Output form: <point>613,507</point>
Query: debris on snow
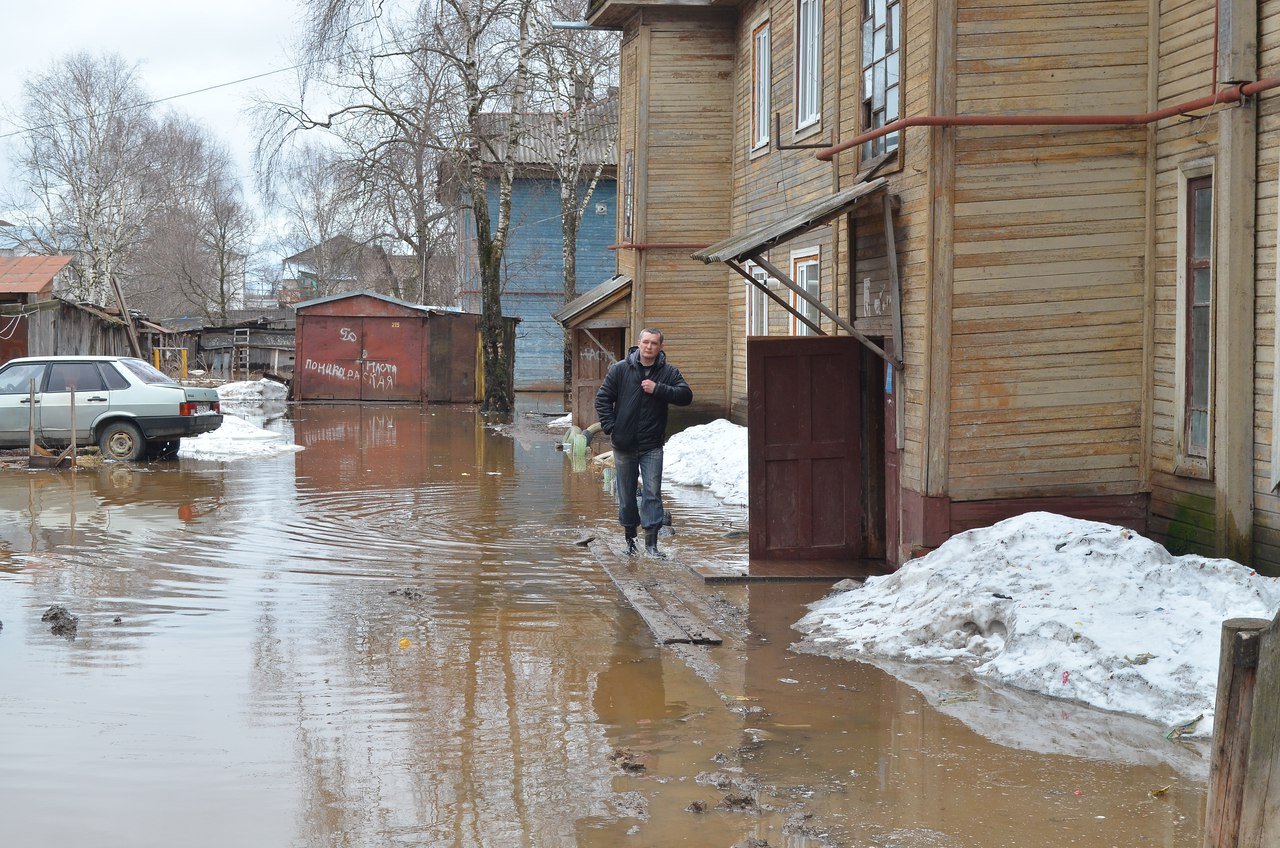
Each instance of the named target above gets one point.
<point>1078,610</point>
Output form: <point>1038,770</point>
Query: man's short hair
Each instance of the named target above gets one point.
<point>651,331</point>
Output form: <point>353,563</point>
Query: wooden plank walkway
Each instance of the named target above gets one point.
<point>668,618</point>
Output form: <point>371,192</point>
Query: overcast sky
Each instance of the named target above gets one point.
<point>179,46</point>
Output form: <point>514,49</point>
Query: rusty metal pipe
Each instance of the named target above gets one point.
<point>656,245</point>
<point>1229,95</point>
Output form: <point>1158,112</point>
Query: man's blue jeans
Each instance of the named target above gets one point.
<point>646,468</point>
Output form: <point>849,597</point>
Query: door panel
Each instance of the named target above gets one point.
<point>91,399</point>
<point>391,354</point>
<point>331,369</point>
<point>805,480</point>
<point>590,369</point>
<point>15,401</point>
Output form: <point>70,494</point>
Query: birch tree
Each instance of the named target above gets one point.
<point>86,166</point>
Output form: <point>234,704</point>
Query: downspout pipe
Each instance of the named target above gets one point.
<point>1234,94</point>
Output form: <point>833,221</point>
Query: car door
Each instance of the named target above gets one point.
<point>92,398</point>
<point>15,400</point>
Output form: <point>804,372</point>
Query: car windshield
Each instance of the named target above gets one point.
<point>145,372</point>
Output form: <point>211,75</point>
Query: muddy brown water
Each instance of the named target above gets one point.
<point>391,639</point>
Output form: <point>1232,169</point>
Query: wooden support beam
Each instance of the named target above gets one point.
<point>895,301</point>
<point>786,280</point>
<point>746,275</point>
<point>1260,806</point>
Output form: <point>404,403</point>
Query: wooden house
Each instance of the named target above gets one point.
<point>533,262</point>
<point>956,260</point>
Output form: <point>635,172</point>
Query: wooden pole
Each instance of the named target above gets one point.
<point>1232,720</point>
<point>74,447</point>
<point>31,421</point>
<point>1260,810</point>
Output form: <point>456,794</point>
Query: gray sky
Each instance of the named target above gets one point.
<point>179,46</point>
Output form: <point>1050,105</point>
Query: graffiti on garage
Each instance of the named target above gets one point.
<point>378,375</point>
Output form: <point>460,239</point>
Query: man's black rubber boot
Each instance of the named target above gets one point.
<point>631,541</point>
<point>651,543</point>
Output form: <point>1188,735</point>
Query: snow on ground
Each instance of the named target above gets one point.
<point>235,439</point>
<point>713,456</point>
<point>249,391</point>
<point>564,422</point>
<point>1078,610</point>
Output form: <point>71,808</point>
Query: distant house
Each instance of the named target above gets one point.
<point>533,265</point>
<point>340,264</point>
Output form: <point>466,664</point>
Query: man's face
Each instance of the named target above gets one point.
<point>650,347</point>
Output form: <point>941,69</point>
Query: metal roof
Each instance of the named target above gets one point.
<point>30,274</point>
<point>815,214</point>
<point>436,310</point>
<point>602,295</point>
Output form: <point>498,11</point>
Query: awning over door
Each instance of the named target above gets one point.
<point>744,245</point>
<point>751,245</point>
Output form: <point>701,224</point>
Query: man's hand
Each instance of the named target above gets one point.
<point>648,386</point>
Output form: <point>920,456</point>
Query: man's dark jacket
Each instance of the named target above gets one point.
<point>636,420</point>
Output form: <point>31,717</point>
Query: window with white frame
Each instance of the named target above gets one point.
<point>808,62</point>
<point>1195,301</point>
<point>761,75</point>
<point>757,302</point>
<point>805,266</point>
<point>881,72</point>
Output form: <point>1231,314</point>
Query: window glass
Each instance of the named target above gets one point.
<point>145,372</point>
<point>1198,340</point>
<point>808,62</point>
<point>16,379</point>
<point>805,273</point>
<point>757,303</point>
<point>881,72</point>
<point>761,90</point>
<point>113,378</point>
<point>80,376</point>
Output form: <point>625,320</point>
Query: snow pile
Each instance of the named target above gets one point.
<point>564,422</point>
<point>235,439</point>
<point>252,391</point>
<point>713,456</point>
<point>1073,609</point>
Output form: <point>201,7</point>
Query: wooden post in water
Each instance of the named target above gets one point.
<point>1232,722</point>
<point>1260,809</point>
<point>31,421</point>
<point>74,447</point>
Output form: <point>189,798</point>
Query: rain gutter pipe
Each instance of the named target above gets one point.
<point>1236,93</point>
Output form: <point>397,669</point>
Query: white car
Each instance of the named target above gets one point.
<point>131,410</point>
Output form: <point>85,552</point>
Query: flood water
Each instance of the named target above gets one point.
<point>390,638</point>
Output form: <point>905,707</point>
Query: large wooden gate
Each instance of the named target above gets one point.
<point>806,487</point>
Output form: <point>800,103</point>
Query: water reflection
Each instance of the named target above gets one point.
<point>390,638</point>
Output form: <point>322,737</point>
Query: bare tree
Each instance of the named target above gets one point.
<point>87,168</point>
<point>576,70</point>
<point>200,238</point>
<point>412,96</point>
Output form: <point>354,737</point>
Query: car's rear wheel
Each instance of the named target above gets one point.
<point>166,449</point>
<point>122,441</point>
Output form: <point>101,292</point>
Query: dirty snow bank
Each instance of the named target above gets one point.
<point>713,456</point>
<point>1073,609</point>
<point>250,391</point>
<point>235,439</point>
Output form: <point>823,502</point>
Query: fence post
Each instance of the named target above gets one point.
<point>1260,810</point>
<point>1232,722</point>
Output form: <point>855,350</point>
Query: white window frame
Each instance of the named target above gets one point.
<point>808,65</point>
<point>757,323</point>
<point>880,80</point>
<point>761,84</point>
<point>806,272</point>
<point>1186,464</point>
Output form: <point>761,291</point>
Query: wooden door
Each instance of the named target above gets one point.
<point>590,365</point>
<point>391,358</point>
<point>805,465</point>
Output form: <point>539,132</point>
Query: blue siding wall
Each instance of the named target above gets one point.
<point>533,285</point>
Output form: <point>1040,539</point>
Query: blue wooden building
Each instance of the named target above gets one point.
<point>533,266</point>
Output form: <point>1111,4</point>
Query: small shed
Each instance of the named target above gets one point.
<point>600,320</point>
<point>24,281</point>
<point>365,346</point>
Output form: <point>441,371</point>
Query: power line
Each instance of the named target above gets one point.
<point>159,100</point>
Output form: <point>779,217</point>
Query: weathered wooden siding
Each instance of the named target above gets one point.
<point>1267,504</point>
<point>1049,251</point>
<point>683,124</point>
<point>1182,507</point>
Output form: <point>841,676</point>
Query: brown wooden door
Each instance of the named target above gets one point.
<point>805,481</point>
<point>589,369</point>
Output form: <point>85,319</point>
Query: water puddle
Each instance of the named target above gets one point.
<point>390,638</point>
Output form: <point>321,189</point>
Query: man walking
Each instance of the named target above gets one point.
<point>632,406</point>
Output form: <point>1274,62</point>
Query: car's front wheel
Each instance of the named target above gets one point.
<point>122,441</point>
